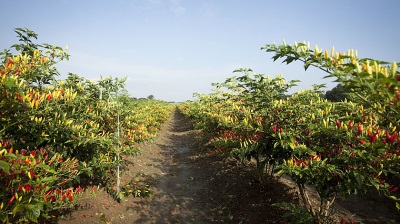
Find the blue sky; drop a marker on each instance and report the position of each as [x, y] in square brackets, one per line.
[173, 48]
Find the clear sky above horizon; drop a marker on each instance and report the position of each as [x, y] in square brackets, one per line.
[173, 48]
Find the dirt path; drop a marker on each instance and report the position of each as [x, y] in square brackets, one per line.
[176, 185]
[187, 186]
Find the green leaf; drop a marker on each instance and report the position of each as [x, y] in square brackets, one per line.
[370, 86]
[10, 83]
[18, 208]
[10, 156]
[307, 64]
[5, 166]
[121, 196]
[3, 217]
[275, 57]
[33, 213]
[289, 60]
[46, 168]
[375, 184]
[49, 179]
[46, 216]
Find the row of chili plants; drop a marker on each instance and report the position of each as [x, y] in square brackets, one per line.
[339, 148]
[57, 136]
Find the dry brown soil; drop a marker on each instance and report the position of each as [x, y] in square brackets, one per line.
[189, 185]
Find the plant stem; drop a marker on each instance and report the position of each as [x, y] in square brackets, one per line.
[305, 198]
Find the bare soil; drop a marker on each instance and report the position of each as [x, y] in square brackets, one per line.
[189, 185]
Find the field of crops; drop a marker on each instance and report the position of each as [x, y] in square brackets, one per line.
[339, 148]
[59, 138]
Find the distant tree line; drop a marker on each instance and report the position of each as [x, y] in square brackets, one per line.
[337, 94]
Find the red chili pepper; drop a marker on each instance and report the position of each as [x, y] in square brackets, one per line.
[360, 128]
[49, 192]
[28, 187]
[275, 128]
[372, 137]
[338, 124]
[11, 200]
[10, 61]
[362, 142]
[391, 138]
